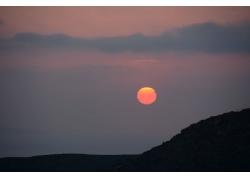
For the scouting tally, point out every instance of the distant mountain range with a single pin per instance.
(220, 143)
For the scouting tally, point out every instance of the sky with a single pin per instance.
(69, 76)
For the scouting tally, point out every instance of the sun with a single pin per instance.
(146, 95)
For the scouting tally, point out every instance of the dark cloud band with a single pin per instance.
(207, 37)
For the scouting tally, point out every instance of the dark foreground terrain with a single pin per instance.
(220, 143)
(61, 163)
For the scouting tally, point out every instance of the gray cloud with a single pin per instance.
(206, 37)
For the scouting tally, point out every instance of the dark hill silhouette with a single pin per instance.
(220, 143)
(60, 163)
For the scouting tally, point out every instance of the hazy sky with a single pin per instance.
(69, 76)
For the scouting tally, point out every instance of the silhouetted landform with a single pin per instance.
(220, 143)
(61, 163)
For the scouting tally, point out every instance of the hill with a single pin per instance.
(220, 143)
(60, 163)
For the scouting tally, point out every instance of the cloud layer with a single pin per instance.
(206, 37)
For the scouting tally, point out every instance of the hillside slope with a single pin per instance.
(220, 143)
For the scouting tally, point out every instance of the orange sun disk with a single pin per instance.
(146, 95)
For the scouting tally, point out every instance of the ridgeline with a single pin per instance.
(217, 144)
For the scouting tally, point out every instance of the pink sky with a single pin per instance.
(111, 21)
(102, 22)
(116, 21)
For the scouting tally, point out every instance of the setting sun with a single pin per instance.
(146, 95)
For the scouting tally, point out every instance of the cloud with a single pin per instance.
(205, 37)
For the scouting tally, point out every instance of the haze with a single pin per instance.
(69, 76)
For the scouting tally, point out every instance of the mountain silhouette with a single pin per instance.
(220, 143)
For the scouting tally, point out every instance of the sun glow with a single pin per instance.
(146, 95)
